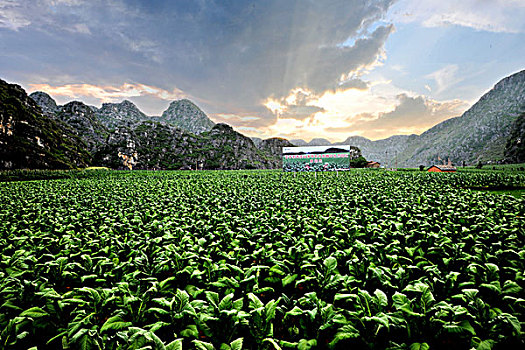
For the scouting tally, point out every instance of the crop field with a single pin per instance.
(262, 260)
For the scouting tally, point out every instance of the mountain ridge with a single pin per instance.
(120, 136)
(483, 133)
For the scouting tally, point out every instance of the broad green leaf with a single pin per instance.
(296, 311)
(485, 344)
(419, 346)
(270, 308)
(255, 303)
(381, 297)
(236, 344)
(289, 279)
(493, 286)
(226, 302)
(114, 323)
(459, 327)
(175, 345)
(512, 320)
(330, 263)
(203, 345)
(191, 331)
(346, 332)
(511, 287)
(306, 344)
(213, 298)
(34, 312)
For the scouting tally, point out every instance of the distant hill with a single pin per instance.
(30, 139)
(299, 142)
(274, 145)
(313, 142)
(47, 104)
(124, 113)
(383, 151)
(319, 142)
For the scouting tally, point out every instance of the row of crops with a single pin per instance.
(262, 260)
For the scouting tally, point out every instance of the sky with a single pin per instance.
(270, 68)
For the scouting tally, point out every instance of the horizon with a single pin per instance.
(296, 70)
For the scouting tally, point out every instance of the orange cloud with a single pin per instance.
(108, 93)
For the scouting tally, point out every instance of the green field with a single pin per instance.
(262, 260)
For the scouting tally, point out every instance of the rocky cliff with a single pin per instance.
(483, 133)
(155, 145)
(147, 145)
(47, 104)
(29, 139)
(274, 145)
(515, 147)
(82, 120)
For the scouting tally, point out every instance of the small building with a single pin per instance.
(372, 164)
(442, 169)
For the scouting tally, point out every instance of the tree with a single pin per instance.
(359, 162)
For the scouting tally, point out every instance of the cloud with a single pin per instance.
(81, 28)
(353, 83)
(484, 15)
(247, 122)
(234, 55)
(300, 112)
(284, 45)
(108, 93)
(445, 77)
(11, 15)
(412, 114)
(16, 14)
(297, 105)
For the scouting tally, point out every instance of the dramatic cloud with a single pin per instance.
(377, 112)
(234, 56)
(274, 68)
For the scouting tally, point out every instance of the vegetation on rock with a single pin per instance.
(515, 147)
(29, 139)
